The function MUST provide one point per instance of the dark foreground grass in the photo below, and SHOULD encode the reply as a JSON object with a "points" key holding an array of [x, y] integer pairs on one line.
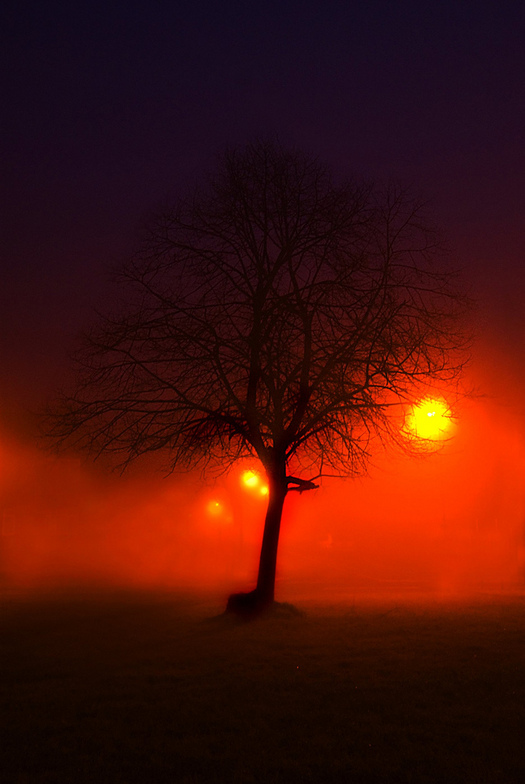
{"points": [[148, 689]]}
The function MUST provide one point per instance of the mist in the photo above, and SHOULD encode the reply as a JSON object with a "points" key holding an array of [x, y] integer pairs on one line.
{"points": [[447, 524]]}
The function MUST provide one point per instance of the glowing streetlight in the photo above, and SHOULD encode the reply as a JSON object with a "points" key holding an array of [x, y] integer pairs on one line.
{"points": [[252, 480], [429, 420]]}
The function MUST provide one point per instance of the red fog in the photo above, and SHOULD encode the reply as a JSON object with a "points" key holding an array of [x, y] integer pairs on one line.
{"points": [[446, 524]]}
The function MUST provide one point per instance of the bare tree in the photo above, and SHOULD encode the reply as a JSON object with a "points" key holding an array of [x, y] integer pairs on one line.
{"points": [[275, 314]]}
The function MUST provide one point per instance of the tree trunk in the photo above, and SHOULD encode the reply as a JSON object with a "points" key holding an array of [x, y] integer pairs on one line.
{"points": [[272, 526], [251, 604]]}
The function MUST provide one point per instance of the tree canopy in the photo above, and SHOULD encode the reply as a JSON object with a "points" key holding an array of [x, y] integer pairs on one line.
{"points": [[275, 312]]}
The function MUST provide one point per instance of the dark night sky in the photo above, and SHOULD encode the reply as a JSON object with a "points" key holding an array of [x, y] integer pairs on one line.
{"points": [[109, 109]]}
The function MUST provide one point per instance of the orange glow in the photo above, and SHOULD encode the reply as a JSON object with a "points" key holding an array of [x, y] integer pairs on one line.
{"points": [[215, 508], [252, 480], [429, 420], [447, 524]]}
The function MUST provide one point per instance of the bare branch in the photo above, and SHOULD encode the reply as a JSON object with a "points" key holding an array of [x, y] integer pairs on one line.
{"points": [[274, 313]]}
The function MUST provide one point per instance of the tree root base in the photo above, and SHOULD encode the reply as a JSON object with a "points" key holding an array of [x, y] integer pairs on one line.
{"points": [[249, 606]]}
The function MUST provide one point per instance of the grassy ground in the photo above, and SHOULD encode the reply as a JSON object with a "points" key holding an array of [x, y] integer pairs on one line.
{"points": [[137, 688]]}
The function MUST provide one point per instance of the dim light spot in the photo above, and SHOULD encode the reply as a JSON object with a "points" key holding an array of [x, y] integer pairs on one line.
{"points": [[215, 508], [429, 420]]}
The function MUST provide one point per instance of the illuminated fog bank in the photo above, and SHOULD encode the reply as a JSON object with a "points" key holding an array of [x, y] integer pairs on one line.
{"points": [[449, 523]]}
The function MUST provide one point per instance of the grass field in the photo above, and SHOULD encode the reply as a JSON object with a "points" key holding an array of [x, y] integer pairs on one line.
{"points": [[150, 688]]}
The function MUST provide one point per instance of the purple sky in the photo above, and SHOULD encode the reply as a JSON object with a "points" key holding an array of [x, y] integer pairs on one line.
{"points": [[110, 108]]}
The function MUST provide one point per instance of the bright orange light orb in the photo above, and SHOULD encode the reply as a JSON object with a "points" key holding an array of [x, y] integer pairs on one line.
{"points": [[429, 420], [251, 479]]}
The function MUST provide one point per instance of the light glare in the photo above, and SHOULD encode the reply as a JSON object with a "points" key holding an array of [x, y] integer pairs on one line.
{"points": [[429, 420], [251, 478]]}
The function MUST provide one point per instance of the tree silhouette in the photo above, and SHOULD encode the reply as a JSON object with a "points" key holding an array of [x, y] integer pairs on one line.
{"points": [[276, 314]]}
